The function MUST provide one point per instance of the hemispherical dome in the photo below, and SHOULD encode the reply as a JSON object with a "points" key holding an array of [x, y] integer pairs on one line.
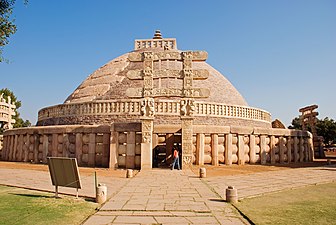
{"points": [[111, 82], [159, 81]]}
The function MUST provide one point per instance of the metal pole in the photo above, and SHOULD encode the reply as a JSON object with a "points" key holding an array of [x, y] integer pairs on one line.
{"points": [[96, 182], [56, 191]]}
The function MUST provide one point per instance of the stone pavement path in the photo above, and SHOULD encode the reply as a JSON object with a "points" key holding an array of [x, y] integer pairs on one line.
{"points": [[166, 197], [265, 182]]}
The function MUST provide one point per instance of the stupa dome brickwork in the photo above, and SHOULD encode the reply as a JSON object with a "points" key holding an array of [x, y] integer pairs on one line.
{"points": [[104, 97]]}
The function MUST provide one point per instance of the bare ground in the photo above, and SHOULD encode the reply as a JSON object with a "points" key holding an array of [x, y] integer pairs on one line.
{"points": [[211, 171]]}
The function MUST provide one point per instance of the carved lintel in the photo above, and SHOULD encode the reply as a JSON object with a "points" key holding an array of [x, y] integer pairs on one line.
{"points": [[168, 92], [196, 93], [187, 55], [200, 74], [168, 55]]}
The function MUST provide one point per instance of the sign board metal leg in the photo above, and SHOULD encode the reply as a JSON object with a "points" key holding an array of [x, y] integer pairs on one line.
{"points": [[56, 191]]}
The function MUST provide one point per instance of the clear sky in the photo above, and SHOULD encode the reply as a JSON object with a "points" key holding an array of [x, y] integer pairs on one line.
{"points": [[279, 54]]}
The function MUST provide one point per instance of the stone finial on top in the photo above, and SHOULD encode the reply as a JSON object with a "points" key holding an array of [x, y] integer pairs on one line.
{"points": [[157, 35], [156, 42]]}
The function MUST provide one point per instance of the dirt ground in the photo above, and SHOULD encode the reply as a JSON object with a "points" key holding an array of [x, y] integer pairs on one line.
{"points": [[82, 170], [211, 171], [223, 170]]}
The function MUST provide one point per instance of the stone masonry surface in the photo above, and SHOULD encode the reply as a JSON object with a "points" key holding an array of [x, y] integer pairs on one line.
{"points": [[166, 197]]}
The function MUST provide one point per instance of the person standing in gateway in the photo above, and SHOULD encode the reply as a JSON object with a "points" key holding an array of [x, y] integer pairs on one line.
{"points": [[176, 158]]}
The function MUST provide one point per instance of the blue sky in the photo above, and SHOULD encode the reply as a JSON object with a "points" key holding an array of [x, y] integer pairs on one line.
{"points": [[279, 54]]}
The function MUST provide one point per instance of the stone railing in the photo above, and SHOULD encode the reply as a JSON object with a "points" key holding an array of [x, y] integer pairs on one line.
{"points": [[223, 110], [240, 145], [89, 144], [161, 107], [91, 108], [120, 145], [155, 43]]}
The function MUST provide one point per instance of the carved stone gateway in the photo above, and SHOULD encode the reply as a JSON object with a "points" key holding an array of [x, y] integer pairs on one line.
{"points": [[7, 111], [187, 92]]}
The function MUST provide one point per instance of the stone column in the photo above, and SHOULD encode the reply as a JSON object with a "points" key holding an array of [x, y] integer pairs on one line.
{"points": [[54, 145], [20, 147], [281, 150], [296, 158], [289, 149], [11, 147], [272, 149], [66, 143], [187, 133], [305, 151], [252, 149], [310, 147], [301, 150], [26, 152], [200, 149], [36, 147], [106, 149], [146, 143], [45, 148], [15, 148], [113, 162], [92, 150], [263, 149], [241, 151], [214, 149], [130, 150], [228, 149], [79, 148], [4, 152]]}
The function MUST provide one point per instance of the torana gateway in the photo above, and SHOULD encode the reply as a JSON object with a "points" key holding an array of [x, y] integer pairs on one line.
{"points": [[131, 112]]}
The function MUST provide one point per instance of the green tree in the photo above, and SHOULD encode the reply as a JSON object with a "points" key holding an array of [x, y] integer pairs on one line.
{"points": [[19, 122], [296, 124], [7, 25], [325, 128]]}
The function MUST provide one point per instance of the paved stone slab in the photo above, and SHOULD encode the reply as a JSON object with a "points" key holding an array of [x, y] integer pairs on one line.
{"points": [[175, 197], [266, 182]]}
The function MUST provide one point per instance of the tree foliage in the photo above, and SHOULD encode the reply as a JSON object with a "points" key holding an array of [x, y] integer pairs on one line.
{"points": [[325, 128], [19, 122], [296, 124], [7, 26]]}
